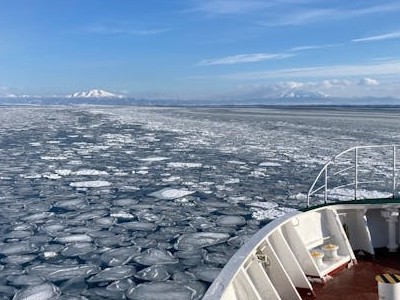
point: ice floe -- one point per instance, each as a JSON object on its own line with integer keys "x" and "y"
{"x": 171, "y": 193}
{"x": 45, "y": 291}
{"x": 54, "y": 273}
{"x": 113, "y": 274}
{"x": 154, "y": 273}
{"x": 90, "y": 184}
{"x": 198, "y": 240}
{"x": 184, "y": 165}
{"x": 163, "y": 290}
{"x": 154, "y": 159}
{"x": 90, "y": 172}
{"x": 154, "y": 256}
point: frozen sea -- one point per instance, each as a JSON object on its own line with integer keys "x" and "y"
{"x": 151, "y": 202}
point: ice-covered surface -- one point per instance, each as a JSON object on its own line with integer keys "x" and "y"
{"x": 150, "y": 203}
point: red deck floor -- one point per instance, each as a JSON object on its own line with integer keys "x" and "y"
{"x": 359, "y": 281}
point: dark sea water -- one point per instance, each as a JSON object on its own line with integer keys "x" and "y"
{"x": 135, "y": 202}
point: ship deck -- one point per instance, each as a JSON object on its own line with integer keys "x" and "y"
{"x": 359, "y": 281}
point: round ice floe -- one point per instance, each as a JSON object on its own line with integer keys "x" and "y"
{"x": 74, "y": 238}
{"x": 154, "y": 158}
{"x": 216, "y": 258}
{"x": 183, "y": 276}
{"x": 77, "y": 249}
{"x": 184, "y": 165}
{"x": 122, "y": 215}
{"x": 153, "y": 273}
{"x": 90, "y": 184}
{"x": 114, "y": 273}
{"x": 199, "y": 240}
{"x": 74, "y": 286}
{"x": 17, "y": 234}
{"x": 105, "y": 222}
{"x": 63, "y": 172}
{"x": 155, "y": 257}
{"x": 110, "y": 241}
{"x": 72, "y": 204}
{"x": 139, "y": 226}
{"x": 17, "y": 248}
{"x": 270, "y": 214}
{"x": 238, "y": 241}
{"x": 171, "y": 194}
{"x": 18, "y": 259}
{"x": 207, "y": 274}
{"x": 62, "y": 272}
{"x": 42, "y": 291}
{"x": 38, "y": 217}
{"x": 121, "y": 285}
{"x": 90, "y": 172}
{"x": 231, "y": 221}
{"x": 103, "y": 293}
{"x": 25, "y": 280}
{"x": 269, "y": 164}
{"x": 125, "y": 202}
{"x": 119, "y": 256}
{"x": 264, "y": 205}
{"x": 160, "y": 290}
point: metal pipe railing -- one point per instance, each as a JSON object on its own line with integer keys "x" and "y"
{"x": 355, "y": 163}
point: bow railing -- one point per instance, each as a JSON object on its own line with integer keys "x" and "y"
{"x": 358, "y": 169}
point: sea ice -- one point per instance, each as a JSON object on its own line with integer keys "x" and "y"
{"x": 154, "y": 256}
{"x": 231, "y": 221}
{"x": 154, "y": 273}
{"x": 154, "y": 159}
{"x": 270, "y": 164}
{"x": 193, "y": 241}
{"x": 121, "y": 285}
{"x": 54, "y": 272}
{"x": 113, "y": 273}
{"x": 42, "y": 291}
{"x": 184, "y": 165}
{"x": 77, "y": 249}
{"x": 90, "y": 172}
{"x": 74, "y": 238}
{"x": 119, "y": 256}
{"x": 207, "y": 274}
{"x": 90, "y": 184}
{"x": 17, "y": 248}
{"x": 25, "y": 280}
{"x": 171, "y": 194}
{"x": 160, "y": 290}
{"x": 18, "y": 259}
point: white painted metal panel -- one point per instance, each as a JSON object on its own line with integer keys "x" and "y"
{"x": 289, "y": 260}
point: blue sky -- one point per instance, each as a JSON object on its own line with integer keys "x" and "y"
{"x": 200, "y": 48}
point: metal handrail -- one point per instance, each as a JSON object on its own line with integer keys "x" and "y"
{"x": 324, "y": 172}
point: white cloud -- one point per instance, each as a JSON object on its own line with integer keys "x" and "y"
{"x": 381, "y": 37}
{"x": 368, "y": 82}
{"x": 335, "y": 71}
{"x": 244, "y": 58}
{"x": 333, "y": 87}
{"x": 335, "y": 83}
{"x": 306, "y": 16}
{"x": 313, "y": 47}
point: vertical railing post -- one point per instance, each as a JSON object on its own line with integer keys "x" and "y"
{"x": 355, "y": 173}
{"x": 326, "y": 185}
{"x": 394, "y": 171}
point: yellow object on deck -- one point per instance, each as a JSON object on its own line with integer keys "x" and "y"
{"x": 388, "y": 278}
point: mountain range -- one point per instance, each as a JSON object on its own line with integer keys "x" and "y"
{"x": 95, "y": 93}
{"x": 281, "y": 96}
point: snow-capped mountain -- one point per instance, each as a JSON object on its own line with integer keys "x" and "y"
{"x": 96, "y": 93}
